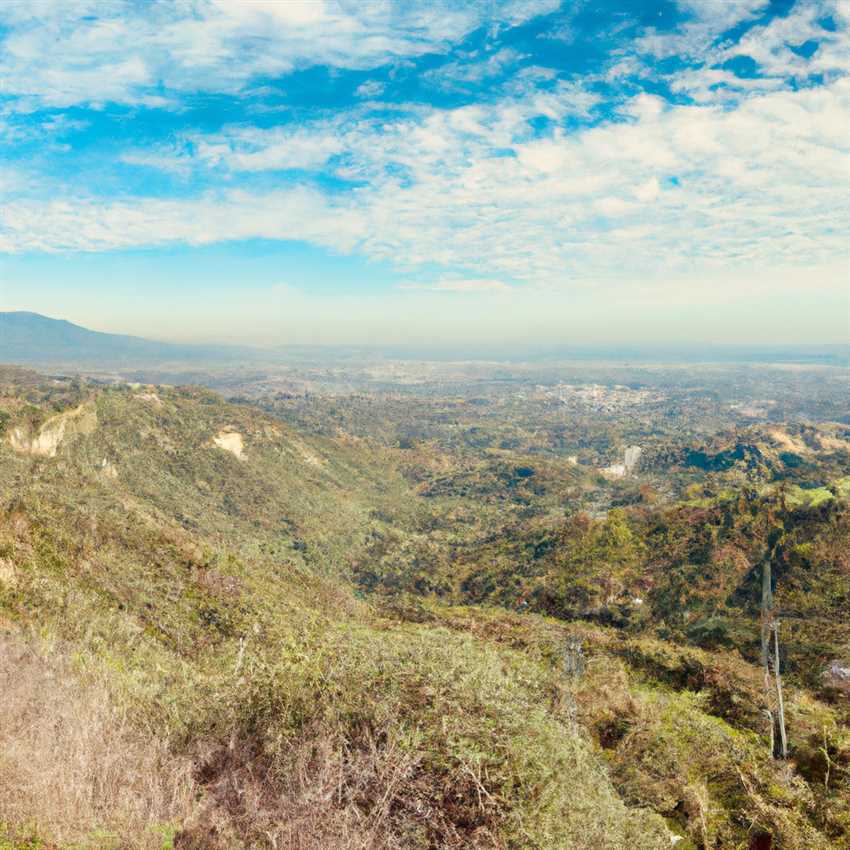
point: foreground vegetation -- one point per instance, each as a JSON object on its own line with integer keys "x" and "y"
{"x": 219, "y": 630}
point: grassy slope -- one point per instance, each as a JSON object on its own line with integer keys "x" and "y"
{"x": 164, "y": 572}
{"x": 197, "y": 585}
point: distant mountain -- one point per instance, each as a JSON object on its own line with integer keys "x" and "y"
{"x": 35, "y": 340}
{"x": 30, "y": 338}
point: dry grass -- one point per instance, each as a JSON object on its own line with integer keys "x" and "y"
{"x": 72, "y": 766}
{"x": 329, "y": 799}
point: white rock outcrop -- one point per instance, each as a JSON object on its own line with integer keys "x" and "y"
{"x": 46, "y": 441}
{"x": 230, "y": 441}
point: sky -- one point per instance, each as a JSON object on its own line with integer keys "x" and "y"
{"x": 373, "y": 171}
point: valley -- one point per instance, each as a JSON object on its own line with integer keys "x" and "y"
{"x": 345, "y": 619}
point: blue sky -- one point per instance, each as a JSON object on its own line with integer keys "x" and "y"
{"x": 522, "y": 170}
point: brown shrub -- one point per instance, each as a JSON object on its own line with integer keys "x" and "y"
{"x": 332, "y": 797}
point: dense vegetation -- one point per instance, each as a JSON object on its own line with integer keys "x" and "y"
{"x": 223, "y": 628}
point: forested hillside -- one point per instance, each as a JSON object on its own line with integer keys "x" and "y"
{"x": 222, "y": 628}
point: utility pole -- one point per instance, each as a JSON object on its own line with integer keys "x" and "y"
{"x": 770, "y": 628}
{"x": 783, "y": 739}
{"x": 766, "y": 610}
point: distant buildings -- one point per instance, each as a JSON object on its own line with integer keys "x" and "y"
{"x": 603, "y": 399}
{"x": 631, "y": 458}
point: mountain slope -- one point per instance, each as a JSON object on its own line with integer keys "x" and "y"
{"x": 183, "y": 570}
{"x": 31, "y": 338}
{"x": 181, "y": 560}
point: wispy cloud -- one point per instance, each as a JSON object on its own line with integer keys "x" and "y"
{"x": 695, "y": 184}
{"x": 707, "y": 20}
{"x": 472, "y": 69}
{"x": 506, "y": 170}
{"x": 127, "y": 52}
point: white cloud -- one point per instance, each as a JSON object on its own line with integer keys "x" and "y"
{"x": 475, "y": 69}
{"x": 708, "y": 20}
{"x": 371, "y": 88}
{"x": 93, "y": 51}
{"x": 247, "y": 149}
{"x": 544, "y": 155}
{"x": 713, "y": 85}
{"x": 91, "y": 225}
{"x": 753, "y": 174}
{"x": 171, "y": 162}
{"x": 613, "y": 207}
{"x": 648, "y": 191}
{"x": 295, "y": 13}
{"x": 770, "y": 46}
{"x": 700, "y": 187}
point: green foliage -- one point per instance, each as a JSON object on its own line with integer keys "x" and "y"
{"x": 211, "y": 589}
{"x": 20, "y": 838}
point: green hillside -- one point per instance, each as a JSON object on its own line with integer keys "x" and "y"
{"x": 222, "y": 631}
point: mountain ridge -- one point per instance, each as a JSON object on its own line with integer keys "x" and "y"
{"x": 34, "y": 339}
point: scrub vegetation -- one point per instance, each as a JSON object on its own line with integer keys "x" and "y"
{"x": 328, "y": 639}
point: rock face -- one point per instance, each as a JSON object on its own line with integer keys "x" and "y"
{"x": 230, "y": 441}
{"x": 837, "y": 676}
{"x": 46, "y": 441}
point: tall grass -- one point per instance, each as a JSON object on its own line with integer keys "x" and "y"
{"x": 71, "y": 765}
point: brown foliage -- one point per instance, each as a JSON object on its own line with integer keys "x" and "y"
{"x": 333, "y": 798}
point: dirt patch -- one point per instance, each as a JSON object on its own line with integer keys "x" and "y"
{"x": 149, "y": 398}
{"x": 46, "y": 441}
{"x": 8, "y": 574}
{"x": 788, "y": 443}
{"x": 230, "y": 441}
